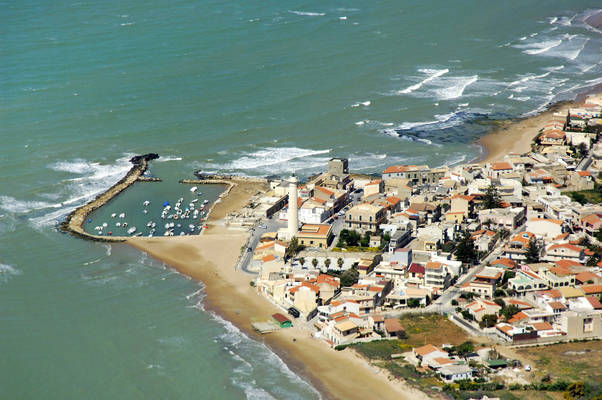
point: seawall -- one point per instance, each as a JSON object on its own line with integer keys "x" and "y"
{"x": 74, "y": 223}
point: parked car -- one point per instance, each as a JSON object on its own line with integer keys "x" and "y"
{"x": 294, "y": 312}
{"x": 262, "y": 227}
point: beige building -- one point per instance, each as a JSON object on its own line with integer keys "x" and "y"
{"x": 581, "y": 325}
{"x": 315, "y": 235}
{"x": 365, "y": 217}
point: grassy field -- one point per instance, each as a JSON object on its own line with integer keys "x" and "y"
{"x": 421, "y": 329}
{"x": 579, "y": 361}
{"x": 435, "y": 329}
{"x": 587, "y": 196}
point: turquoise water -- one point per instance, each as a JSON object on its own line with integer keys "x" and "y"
{"x": 250, "y": 88}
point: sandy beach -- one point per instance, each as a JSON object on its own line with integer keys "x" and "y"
{"x": 211, "y": 257}
{"x": 516, "y": 136}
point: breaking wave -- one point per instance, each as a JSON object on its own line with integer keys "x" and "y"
{"x": 432, "y": 74}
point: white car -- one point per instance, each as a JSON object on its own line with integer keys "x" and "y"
{"x": 262, "y": 227}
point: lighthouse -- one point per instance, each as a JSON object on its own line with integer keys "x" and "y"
{"x": 293, "y": 212}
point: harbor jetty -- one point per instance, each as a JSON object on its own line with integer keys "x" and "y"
{"x": 74, "y": 224}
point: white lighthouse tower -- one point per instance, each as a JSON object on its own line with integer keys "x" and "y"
{"x": 293, "y": 212}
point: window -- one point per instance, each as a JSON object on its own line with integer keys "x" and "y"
{"x": 588, "y": 325}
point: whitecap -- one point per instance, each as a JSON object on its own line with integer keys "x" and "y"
{"x": 361, "y": 103}
{"x": 168, "y": 158}
{"x": 457, "y": 87}
{"x": 307, "y": 13}
{"x": 542, "y": 47}
{"x": 432, "y": 75}
{"x": 7, "y": 272}
{"x": 12, "y": 205}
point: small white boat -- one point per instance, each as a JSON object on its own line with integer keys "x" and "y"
{"x": 166, "y": 225}
{"x": 149, "y": 224}
{"x": 125, "y": 224}
{"x": 118, "y": 224}
{"x": 182, "y": 233}
{"x": 132, "y": 230}
{"x": 113, "y": 215}
{"x": 194, "y": 200}
{"x": 193, "y": 189}
{"x": 122, "y": 215}
{"x": 145, "y": 211}
{"x": 205, "y": 201}
{"x": 146, "y": 203}
{"x": 104, "y": 224}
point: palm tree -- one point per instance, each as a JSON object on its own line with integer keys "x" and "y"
{"x": 314, "y": 262}
{"x": 327, "y": 263}
{"x": 302, "y": 261}
{"x": 340, "y": 262}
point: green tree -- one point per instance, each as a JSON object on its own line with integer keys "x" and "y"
{"x": 509, "y": 311}
{"x": 327, "y": 263}
{"x": 598, "y": 235}
{"x": 413, "y": 303}
{"x": 492, "y": 198}
{"x": 349, "y": 277}
{"x": 340, "y": 262}
{"x": 488, "y": 321}
{"x": 314, "y": 262}
{"x": 575, "y": 391}
{"x": 292, "y": 248}
{"x": 465, "y": 250}
{"x": 533, "y": 251}
{"x": 302, "y": 261}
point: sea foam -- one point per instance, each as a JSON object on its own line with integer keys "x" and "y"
{"x": 457, "y": 87}
{"x": 432, "y": 75}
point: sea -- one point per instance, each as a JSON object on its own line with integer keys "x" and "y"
{"x": 251, "y": 88}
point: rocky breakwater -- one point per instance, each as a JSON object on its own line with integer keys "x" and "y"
{"x": 74, "y": 224}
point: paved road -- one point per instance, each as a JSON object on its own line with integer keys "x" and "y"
{"x": 271, "y": 225}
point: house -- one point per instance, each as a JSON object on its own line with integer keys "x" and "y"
{"x": 591, "y": 224}
{"x": 484, "y": 283}
{"x": 545, "y": 228}
{"x": 500, "y": 169}
{"x": 393, "y": 328}
{"x": 453, "y": 373}
{"x": 365, "y": 217}
{"x": 517, "y": 246}
{"x": 565, "y": 251}
{"x": 462, "y": 203}
{"x": 315, "y": 235}
{"x": 305, "y": 297}
{"x": 484, "y": 240}
{"x": 399, "y": 187}
{"x": 505, "y": 263}
{"x": 526, "y": 281}
{"x": 417, "y": 174}
{"x": 374, "y": 187}
{"x": 436, "y": 275}
{"x": 314, "y": 211}
{"x": 428, "y": 352}
{"x": 480, "y": 308}
{"x": 502, "y": 218}
{"x": 581, "y": 324}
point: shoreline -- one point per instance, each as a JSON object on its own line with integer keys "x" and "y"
{"x": 516, "y": 135}
{"x": 211, "y": 258}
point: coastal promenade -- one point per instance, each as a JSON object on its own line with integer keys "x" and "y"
{"x": 74, "y": 224}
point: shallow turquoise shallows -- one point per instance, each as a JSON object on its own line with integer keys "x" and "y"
{"x": 255, "y": 88}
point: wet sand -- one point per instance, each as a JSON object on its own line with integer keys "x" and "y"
{"x": 211, "y": 257}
